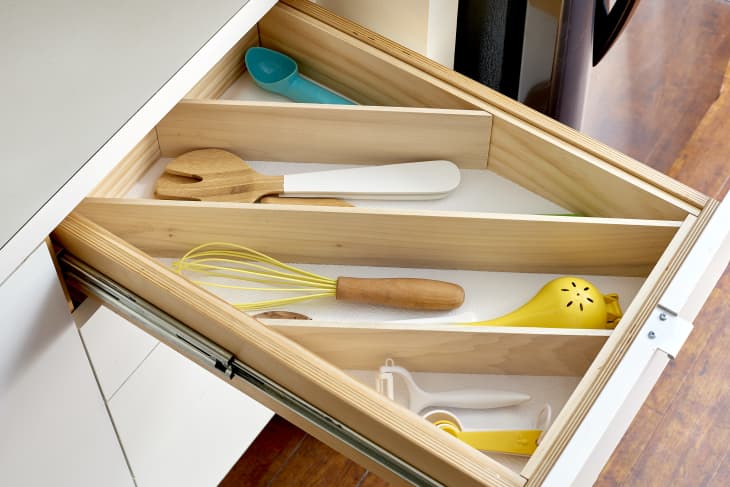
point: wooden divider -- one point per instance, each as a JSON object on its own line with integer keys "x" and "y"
{"x": 265, "y": 131}
{"x": 515, "y": 243}
{"x": 447, "y": 347}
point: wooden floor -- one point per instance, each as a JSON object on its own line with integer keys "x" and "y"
{"x": 656, "y": 97}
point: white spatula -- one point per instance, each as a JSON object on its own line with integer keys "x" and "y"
{"x": 218, "y": 175}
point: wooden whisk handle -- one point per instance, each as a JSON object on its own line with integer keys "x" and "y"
{"x": 397, "y": 292}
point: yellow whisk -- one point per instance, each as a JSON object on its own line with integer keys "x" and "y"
{"x": 236, "y": 263}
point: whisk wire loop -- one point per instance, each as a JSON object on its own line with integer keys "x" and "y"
{"x": 238, "y": 263}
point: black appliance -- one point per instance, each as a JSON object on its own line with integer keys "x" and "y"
{"x": 538, "y": 51}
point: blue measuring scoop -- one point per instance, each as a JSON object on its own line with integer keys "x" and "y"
{"x": 278, "y": 73}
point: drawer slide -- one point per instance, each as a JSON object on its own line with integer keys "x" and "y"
{"x": 196, "y": 346}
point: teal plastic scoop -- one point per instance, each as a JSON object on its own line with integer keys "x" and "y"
{"x": 278, "y": 73}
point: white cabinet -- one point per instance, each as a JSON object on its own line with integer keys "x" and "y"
{"x": 54, "y": 423}
{"x": 178, "y": 423}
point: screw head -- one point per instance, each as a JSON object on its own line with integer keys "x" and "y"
{"x": 663, "y": 316}
{"x": 651, "y": 335}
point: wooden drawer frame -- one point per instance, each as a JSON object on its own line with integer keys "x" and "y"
{"x": 544, "y": 151}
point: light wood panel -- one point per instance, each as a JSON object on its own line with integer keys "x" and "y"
{"x": 293, "y": 367}
{"x": 563, "y": 245}
{"x": 264, "y": 131}
{"x": 130, "y": 169}
{"x": 344, "y": 64}
{"x": 227, "y": 70}
{"x": 373, "y": 70}
{"x": 448, "y": 348}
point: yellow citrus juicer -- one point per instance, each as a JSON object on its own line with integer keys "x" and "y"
{"x": 513, "y": 442}
{"x": 565, "y": 302}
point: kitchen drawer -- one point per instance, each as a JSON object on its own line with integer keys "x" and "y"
{"x": 661, "y": 243}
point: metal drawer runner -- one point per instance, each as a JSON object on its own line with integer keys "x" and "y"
{"x": 192, "y": 344}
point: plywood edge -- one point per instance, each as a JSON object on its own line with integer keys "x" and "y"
{"x": 471, "y": 241}
{"x": 327, "y": 133}
{"x": 504, "y": 107}
{"x": 227, "y": 70}
{"x": 608, "y": 359}
{"x": 126, "y": 173}
{"x": 394, "y": 428}
{"x": 448, "y": 348}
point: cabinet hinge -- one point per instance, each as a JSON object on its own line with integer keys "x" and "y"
{"x": 667, "y": 331}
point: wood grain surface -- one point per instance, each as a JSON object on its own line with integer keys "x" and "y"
{"x": 448, "y": 348}
{"x": 290, "y": 457}
{"x": 268, "y": 131}
{"x": 494, "y": 242}
{"x": 656, "y": 97}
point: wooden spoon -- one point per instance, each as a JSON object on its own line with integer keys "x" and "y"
{"x": 218, "y": 175}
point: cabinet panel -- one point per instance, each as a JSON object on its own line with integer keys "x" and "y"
{"x": 116, "y": 348}
{"x": 181, "y": 425}
{"x": 55, "y": 426}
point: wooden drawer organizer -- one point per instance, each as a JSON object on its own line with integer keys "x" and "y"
{"x": 638, "y": 225}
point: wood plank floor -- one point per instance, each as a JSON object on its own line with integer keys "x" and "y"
{"x": 656, "y": 97}
{"x": 681, "y": 436}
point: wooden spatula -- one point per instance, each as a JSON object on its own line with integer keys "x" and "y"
{"x": 218, "y": 175}
{"x": 171, "y": 183}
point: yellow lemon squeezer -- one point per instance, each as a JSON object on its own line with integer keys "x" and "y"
{"x": 513, "y": 442}
{"x": 565, "y": 302}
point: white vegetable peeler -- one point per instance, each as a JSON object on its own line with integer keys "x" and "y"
{"x": 463, "y": 398}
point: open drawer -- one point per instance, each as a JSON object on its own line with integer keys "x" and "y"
{"x": 654, "y": 241}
